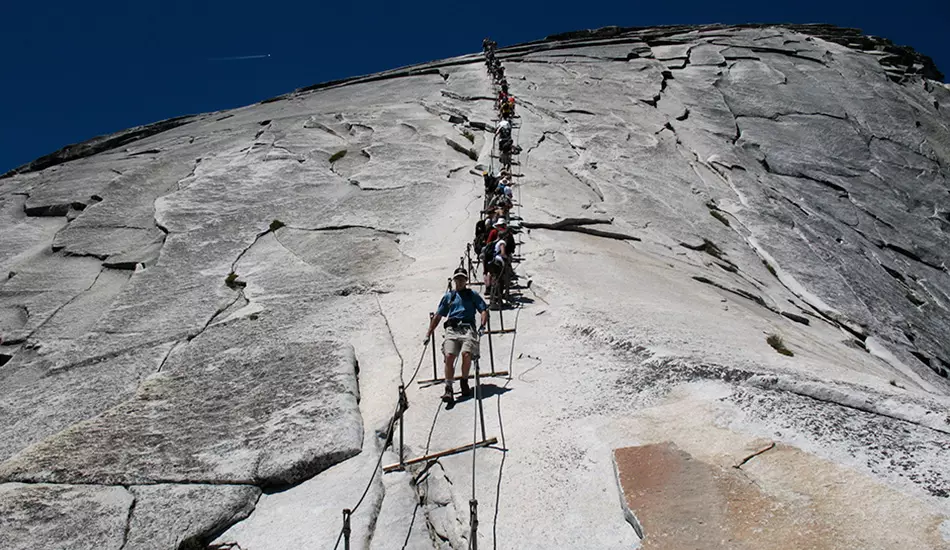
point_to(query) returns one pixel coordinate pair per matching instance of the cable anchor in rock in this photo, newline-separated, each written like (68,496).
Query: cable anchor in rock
(346,528)
(473,534)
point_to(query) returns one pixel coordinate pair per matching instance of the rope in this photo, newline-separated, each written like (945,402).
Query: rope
(379,461)
(422,357)
(425,469)
(388,441)
(501,430)
(396,413)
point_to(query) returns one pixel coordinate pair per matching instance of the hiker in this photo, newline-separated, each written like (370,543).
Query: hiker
(491,182)
(506,107)
(458,307)
(499,268)
(502,99)
(480,233)
(501,203)
(503,130)
(498,232)
(494,253)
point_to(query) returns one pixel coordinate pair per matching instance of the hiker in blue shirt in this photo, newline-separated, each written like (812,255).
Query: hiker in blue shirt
(458,307)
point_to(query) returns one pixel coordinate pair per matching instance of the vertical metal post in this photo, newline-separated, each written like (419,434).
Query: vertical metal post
(473,534)
(346,528)
(403,405)
(435,368)
(501,314)
(491,352)
(468,255)
(478,399)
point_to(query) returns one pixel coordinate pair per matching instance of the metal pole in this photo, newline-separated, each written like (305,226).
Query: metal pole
(468,255)
(501,304)
(491,352)
(435,368)
(346,528)
(473,535)
(478,399)
(403,402)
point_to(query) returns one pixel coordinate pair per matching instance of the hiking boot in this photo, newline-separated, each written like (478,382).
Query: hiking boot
(466,390)
(448,397)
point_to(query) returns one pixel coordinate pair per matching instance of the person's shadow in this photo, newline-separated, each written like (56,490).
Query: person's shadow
(487,390)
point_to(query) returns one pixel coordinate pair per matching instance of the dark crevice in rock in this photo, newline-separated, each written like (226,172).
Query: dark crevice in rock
(911,255)
(777,116)
(789,53)
(240,296)
(541,139)
(667,75)
(589,185)
(433,70)
(922,358)
(842,192)
(450,172)
(347,226)
(100,144)
(577,111)
(796,205)
(167,355)
(467,151)
(894,273)
(727,266)
(461,97)
(797,318)
(360,186)
(869,406)
(128,518)
(53,210)
(653,102)
(683,116)
(580,225)
(737,291)
(707,246)
(541,111)
(58,309)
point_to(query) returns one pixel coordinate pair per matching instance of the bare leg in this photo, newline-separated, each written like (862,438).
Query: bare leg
(450,368)
(466,364)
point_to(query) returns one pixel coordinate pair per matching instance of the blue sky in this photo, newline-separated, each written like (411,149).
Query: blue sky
(74,70)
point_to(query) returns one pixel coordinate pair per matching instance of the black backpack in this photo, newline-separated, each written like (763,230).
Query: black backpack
(491,182)
(487,253)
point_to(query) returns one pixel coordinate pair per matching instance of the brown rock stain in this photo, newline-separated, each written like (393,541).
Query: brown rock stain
(685,504)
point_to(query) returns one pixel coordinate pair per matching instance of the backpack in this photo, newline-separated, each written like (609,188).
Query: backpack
(491,182)
(510,243)
(487,253)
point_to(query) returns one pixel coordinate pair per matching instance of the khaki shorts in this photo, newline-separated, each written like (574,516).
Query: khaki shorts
(458,341)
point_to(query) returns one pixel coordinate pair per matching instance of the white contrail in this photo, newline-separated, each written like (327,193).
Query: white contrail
(239,57)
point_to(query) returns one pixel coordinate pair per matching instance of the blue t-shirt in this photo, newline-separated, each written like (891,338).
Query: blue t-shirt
(461,305)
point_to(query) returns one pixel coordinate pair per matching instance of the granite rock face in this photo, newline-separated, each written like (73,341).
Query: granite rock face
(207,309)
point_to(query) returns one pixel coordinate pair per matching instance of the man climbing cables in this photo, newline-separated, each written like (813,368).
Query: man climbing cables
(458,307)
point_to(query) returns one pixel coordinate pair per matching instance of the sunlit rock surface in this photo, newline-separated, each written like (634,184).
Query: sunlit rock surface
(199,310)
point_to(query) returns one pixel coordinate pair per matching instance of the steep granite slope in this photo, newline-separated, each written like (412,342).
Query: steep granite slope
(206,319)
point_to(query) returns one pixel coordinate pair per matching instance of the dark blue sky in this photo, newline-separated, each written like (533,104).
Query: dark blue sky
(73,70)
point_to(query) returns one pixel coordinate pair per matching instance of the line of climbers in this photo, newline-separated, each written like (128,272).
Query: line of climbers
(494,244)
